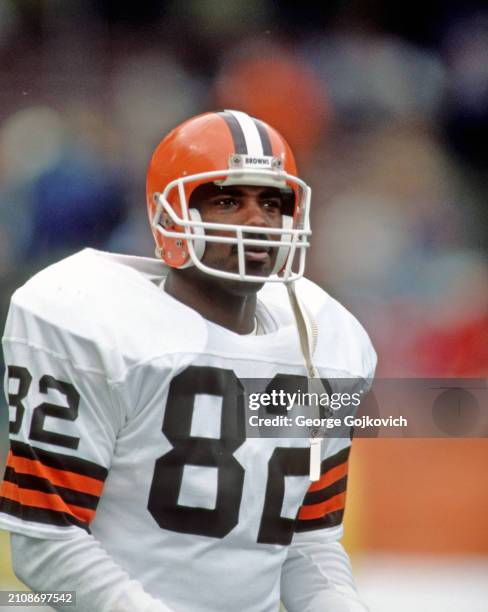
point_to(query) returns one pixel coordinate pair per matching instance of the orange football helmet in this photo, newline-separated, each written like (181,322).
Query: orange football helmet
(226,148)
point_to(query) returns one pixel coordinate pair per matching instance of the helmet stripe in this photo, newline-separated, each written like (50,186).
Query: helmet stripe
(263,134)
(236,132)
(251,134)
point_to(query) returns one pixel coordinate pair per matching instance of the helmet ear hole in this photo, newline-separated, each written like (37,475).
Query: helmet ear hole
(165,220)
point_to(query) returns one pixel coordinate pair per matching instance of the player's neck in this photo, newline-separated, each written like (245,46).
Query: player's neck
(214,301)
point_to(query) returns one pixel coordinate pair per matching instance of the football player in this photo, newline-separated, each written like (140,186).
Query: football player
(130,477)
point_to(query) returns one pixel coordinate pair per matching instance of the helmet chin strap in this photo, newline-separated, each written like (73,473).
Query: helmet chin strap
(308,333)
(198,245)
(287,223)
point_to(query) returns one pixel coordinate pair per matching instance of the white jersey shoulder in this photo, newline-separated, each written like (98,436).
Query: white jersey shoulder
(108,312)
(343,345)
(105,311)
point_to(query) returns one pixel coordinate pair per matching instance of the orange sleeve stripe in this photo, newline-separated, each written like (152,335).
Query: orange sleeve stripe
(330,477)
(50,501)
(315,511)
(60,478)
(6,491)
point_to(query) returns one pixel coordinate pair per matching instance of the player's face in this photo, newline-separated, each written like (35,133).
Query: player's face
(240,205)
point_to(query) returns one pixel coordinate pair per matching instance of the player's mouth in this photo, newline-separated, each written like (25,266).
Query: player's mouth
(257,254)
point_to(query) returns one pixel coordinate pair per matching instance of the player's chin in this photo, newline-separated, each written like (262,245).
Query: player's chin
(259,268)
(259,263)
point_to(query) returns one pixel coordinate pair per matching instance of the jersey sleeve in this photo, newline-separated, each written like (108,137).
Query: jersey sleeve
(62,427)
(324,503)
(317,576)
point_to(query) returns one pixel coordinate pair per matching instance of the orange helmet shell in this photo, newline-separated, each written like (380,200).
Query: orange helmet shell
(206,143)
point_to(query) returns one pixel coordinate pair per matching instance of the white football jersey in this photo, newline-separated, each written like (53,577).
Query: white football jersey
(125,422)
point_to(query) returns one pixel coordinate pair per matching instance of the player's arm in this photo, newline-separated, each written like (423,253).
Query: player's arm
(64,422)
(79,564)
(317,575)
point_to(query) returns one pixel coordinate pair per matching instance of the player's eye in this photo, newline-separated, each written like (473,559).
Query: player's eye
(225,203)
(273,204)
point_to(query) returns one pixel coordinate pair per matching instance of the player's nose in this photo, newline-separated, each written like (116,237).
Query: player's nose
(254,214)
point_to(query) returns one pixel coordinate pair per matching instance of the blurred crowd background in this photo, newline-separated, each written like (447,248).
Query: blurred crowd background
(386,107)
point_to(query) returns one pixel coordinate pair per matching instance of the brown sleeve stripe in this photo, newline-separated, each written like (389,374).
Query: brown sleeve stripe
(40,515)
(47,501)
(35,483)
(59,461)
(329,520)
(339,486)
(57,477)
(332,469)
